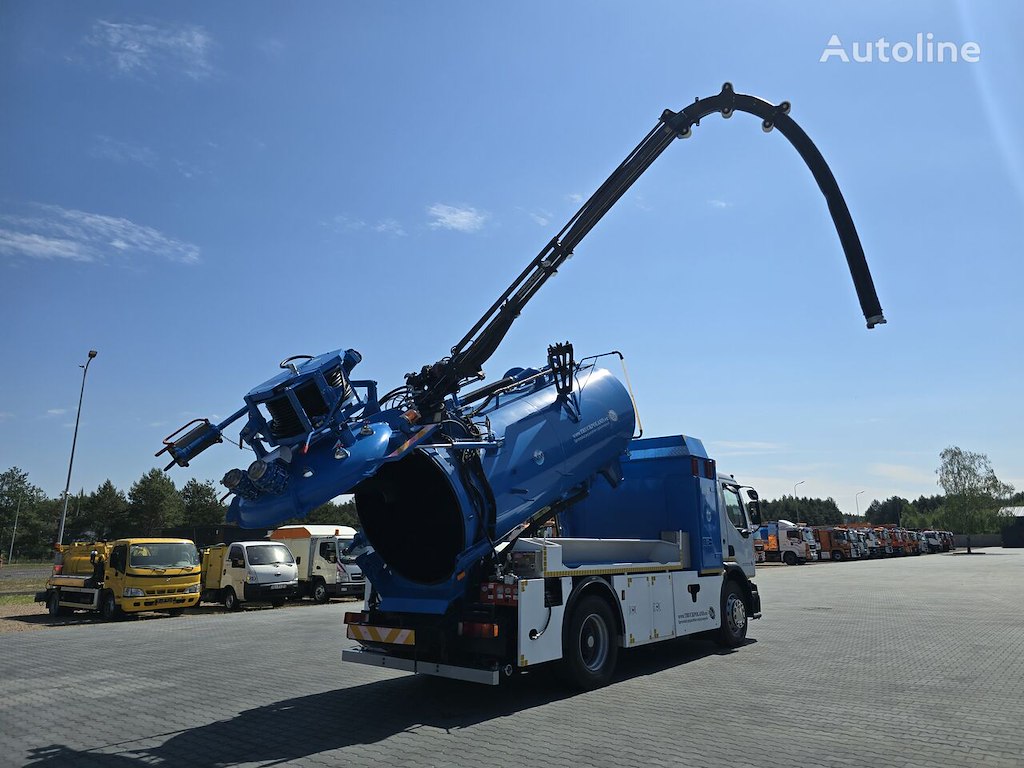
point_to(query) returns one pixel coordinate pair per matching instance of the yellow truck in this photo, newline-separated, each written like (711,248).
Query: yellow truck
(124,576)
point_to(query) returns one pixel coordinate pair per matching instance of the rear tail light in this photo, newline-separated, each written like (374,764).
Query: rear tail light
(477,629)
(356,617)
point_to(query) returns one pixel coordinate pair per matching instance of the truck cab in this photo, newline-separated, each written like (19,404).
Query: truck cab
(326,567)
(742,508)
(124,576)
(249,572)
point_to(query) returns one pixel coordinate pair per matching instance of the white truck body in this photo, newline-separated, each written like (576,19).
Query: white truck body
(325,570)
(249,571)
(658,595)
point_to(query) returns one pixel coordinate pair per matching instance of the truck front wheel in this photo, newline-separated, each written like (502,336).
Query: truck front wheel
(589,650)
(789,558)
(320,594)
(231,600)
(109,608)
(734,616)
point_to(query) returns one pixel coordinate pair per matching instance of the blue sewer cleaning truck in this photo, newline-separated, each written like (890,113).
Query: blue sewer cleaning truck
(522,521)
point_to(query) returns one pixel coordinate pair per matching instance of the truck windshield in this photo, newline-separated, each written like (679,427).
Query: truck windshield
(269,554)
(344,546)
(808,535)
(176,554)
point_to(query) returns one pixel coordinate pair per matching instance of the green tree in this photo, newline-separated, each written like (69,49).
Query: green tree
(37,523)
(154,503)
(201,504)
(104,514)
(973,492)
(802,510)
(893,510)
(331,513)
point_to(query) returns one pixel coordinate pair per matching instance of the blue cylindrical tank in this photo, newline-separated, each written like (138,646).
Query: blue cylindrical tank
(422,514)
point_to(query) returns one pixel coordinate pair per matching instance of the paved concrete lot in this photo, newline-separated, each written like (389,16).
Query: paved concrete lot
(910,662)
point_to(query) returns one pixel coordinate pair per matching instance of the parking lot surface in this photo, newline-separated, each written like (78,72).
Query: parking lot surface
(908,662)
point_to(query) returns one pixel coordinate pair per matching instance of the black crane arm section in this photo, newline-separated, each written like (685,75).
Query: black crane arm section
(433,383)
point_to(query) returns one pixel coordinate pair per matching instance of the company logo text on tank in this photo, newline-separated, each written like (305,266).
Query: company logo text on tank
(925,49)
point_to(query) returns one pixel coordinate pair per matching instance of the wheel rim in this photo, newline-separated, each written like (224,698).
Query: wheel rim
(593,643)
(735,615)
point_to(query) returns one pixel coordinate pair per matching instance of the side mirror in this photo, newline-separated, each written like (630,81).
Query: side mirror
(754,511)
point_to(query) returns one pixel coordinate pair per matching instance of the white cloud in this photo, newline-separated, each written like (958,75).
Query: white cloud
(56,411)
(61,233)
(575,197)
(389,227)
(463,219)
(540,217)
(720,204)
(6,416)
(744,447)
(345,223)
(145,49)
(902,473)
(108,148)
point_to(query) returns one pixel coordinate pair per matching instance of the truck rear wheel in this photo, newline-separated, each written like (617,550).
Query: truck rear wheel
(54,607)
(320,594)
(589,650)
(109,608)
(734,616)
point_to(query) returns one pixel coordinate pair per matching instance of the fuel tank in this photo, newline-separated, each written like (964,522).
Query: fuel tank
(429,517)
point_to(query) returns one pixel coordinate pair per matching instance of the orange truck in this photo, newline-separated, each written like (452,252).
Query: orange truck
(835,543)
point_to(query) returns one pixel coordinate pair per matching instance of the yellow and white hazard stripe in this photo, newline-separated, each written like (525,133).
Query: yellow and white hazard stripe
(392,635)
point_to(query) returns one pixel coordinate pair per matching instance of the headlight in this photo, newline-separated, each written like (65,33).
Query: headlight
(133,592)
(250,577)
(192,590)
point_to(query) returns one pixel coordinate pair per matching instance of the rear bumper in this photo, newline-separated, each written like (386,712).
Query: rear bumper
(380,659)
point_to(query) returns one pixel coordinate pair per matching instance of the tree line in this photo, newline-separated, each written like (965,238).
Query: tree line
(970,505)
(30,519)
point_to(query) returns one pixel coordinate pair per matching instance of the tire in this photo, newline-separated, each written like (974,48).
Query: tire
(837,556)
(54,607)
(589,647)
(277,603)
(109,608)
(231,600)
(789,558)
(733,631)
(320,594)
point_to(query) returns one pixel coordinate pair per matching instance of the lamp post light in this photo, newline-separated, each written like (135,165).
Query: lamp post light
(856,500)
(794,487)
(74,441)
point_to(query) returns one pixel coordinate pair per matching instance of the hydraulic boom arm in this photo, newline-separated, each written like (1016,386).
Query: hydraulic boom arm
(433,383)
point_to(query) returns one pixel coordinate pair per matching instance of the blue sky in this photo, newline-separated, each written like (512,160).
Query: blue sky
(199,190)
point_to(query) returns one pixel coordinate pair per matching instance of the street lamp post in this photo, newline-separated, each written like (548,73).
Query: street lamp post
(794,487)
(74,441)
(856,501)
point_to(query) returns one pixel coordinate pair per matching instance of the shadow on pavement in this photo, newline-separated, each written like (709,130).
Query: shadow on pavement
(293,729)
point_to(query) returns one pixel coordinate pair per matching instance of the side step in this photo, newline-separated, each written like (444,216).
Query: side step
(378,659)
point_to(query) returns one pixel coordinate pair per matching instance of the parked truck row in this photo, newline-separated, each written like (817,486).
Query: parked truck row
(131,575)
(798,543)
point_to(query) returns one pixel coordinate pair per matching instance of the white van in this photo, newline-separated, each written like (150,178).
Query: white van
(325,568)
(249,571)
